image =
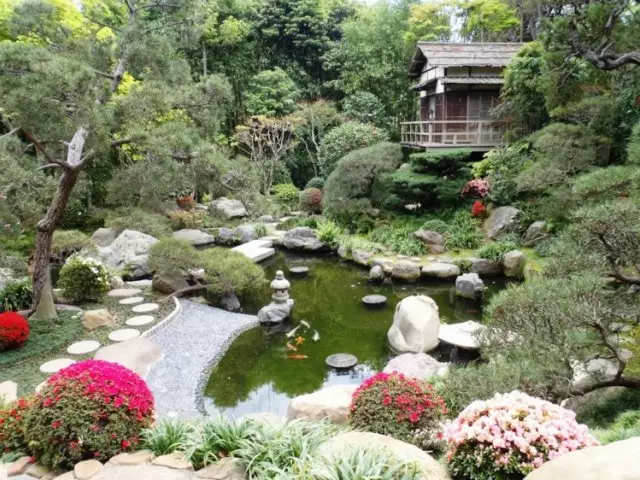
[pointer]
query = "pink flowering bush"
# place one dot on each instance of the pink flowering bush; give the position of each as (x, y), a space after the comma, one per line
(91, 409)
(406, 408)
(476, 188)
(510, 435)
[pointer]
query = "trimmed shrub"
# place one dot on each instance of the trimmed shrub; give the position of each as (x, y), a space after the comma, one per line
(346, 138)
(315, 182)
(67, 242)
(496, 250)
(228, 272)
(405, 408)
(476, 188)
(12, 418)
(285, 192)
(510, 435)
(446, 162)
(14, 331)
(171, 256)
(608, 183)
(141, 221)
(16, 295)
(83, 279)
(91, 409)
(183, 219)
(311, 200)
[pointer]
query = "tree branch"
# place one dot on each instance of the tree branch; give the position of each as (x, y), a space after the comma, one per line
(39, 146)
(13, 131)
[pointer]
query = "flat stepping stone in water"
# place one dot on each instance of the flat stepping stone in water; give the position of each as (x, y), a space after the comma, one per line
(341, 360)
(131, 300)
(124, 292)
(145, 307)
(463, 335)
(140, 320)
(374, 300)
(52, 366)
(80, 348)
(299, 271)
(124, 334)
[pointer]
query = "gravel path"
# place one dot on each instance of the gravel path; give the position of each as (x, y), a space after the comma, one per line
(193, 342)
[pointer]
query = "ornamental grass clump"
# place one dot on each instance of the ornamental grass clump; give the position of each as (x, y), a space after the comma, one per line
(14, 331)
(510, 435)
(90, 410)
(406, 408)
(83, 279)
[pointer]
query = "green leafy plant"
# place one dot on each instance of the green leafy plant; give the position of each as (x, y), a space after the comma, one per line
(364, 107)
(261, 230)
(496, 250)
(67, 242)
(285, 192)
(16, 295)
(400, 239)
(362, 463)
(464, 265)
(271, 93)
(315, 182)
(157, 226)
(436, 225)
(329, 232)
(626, 425)
(294, 222)
(12, 416)
(83, 279)
(168, 436)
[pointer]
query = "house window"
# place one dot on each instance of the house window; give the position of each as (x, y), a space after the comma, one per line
(481, 104)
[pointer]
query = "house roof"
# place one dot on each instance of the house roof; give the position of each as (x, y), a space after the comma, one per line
(461, 81)
(491, 54)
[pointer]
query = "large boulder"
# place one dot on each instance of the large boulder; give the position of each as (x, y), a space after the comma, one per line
(428, 466)
(227, 208)
(92, 319)
(484, 267)
(462, 335)
(513, 264)
(302, 238)
(331, 403)
(469, 285)
(386, 264)
(196, 238)
(168, 283)
(416, 365)
(416, 323)
(405, 270)
(440, 270)
(129, 252)
(616, 461)
(230, 302)
(536, 232)
(361, 257)
(246, 233)
(432, 240)
(137, 354)
(226, 236)
(103, 237)
(502, 220)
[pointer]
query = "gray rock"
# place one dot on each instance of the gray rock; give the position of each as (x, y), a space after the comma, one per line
(361, 257)
(432, 240)
(168, 283)
(376, 274)
(484, 267)
(173, 460)
(513, 264)
(142, 472)
(299, 271)
(416, 323)
(374, 300)
(230, 303)
(130, 252)
(103, 237)
(536, 232)
(331, 404)
(440, 270)
(341, 361)
(502, 220)
(266, 219)
(343, 252)
(406, 270)
(196, 238)
(463, 335)
(416, 365)
(275, 312)
(227, 208)
(137, 354)
(302, 238)
(226, 236)
(386, 264)
(469, 285)
(223, 469)
(246, 233)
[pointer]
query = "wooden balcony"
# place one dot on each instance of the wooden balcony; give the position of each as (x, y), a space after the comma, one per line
(478, 135)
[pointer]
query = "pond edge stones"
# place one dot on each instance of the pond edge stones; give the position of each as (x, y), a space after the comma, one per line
(341, 361)
(374, 301)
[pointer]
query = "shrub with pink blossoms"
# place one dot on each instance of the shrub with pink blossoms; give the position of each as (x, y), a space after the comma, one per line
(91, 409)
(510, 435)
(476, 188)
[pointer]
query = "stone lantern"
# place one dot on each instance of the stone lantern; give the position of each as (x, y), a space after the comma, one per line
(280, 287)
(280, 308)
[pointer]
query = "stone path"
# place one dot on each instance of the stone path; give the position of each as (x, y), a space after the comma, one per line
(83, 347)
(145, 307)
(124, 334)
(256, 250)
(191, 344)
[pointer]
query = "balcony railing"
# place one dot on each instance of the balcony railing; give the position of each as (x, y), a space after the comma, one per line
(475, 134)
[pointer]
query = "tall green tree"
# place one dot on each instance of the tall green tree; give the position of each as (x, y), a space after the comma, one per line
(429, 22)
(488, 21)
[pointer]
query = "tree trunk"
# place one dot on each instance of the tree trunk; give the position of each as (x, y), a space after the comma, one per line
(43, 307)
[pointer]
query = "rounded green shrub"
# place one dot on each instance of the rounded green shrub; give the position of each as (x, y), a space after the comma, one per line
(171, 256)
(83, 279)
(67, 242)
(315, 182)
(153, 224)
(16, 295)
(285, 192)
(311, 200)
(228, 272)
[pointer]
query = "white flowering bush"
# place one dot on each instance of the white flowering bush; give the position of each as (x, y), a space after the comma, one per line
(82, 279)
(510, 435)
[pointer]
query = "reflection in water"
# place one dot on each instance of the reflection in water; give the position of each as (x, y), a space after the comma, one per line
(256, 374)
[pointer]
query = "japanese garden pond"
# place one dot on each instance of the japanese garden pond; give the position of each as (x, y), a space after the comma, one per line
(260, 373)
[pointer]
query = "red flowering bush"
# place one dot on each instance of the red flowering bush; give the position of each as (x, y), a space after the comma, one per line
(476, 188)
(311, 200)
(91, 409)
(478, 209)
(186, 202)
(391, 404)
(14, 330)
(12, 426)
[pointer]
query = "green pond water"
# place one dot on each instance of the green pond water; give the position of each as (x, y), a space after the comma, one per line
(257, 374)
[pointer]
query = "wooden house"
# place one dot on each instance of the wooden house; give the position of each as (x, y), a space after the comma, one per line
(459, 84)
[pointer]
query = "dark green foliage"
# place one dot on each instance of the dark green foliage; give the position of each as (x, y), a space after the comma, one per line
(364, 107)
(446, 162)
(83, 279)
(350, 189)
(315, 182)
(230, 272)
(496, 250)
(608, 183)
(153, 224)
(172, 257)
(67, 242)
(596, 113)
(502, 166)
(633, 147)
(311, 222)
(271, 93)
(16, 295)
(602, 410)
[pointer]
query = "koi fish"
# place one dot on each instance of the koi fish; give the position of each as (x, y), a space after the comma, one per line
(316, 336)
(305, 323)
(291, 347)
(299, 340)
(296, 357)
(291, 333)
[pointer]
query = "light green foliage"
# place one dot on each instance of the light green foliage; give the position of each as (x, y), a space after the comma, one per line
(329, 232)
(364, 107)
(633, 147)
(16, 295)
(230, 272)
(608, 183)
(83, 279)
(428, 22)
(170, 256)
(502, 166)
(362, 463)
(495, 251)
(168, 436)
(464, 232)
(400, 239)
(182, 219)
(261, 229)
(487, 20)
(435, 225)
(350, 188)
(627, 425)
(346, 138)
(285, 192)
(153, 224)
(595, 113)
(315, 182)
(67, 242)
(311, 222)
(271, 93)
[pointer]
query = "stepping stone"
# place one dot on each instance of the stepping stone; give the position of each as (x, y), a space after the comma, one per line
(124, 292)
(341, 360)
(140, 320)
(374, 300)
(299, 271)
(131, 300)
(139, 284)
(256, 250)
(124, 334)
(463, 335)
(52, 366)
(80, 348)
(145, 307)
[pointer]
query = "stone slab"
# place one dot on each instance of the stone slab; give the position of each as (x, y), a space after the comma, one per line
(255, 251)
(341, 360)
(131, 300)
(124, 334)
(124, 292)
(85, 346)
(140, 320)
(52, 366)
(145, 307)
